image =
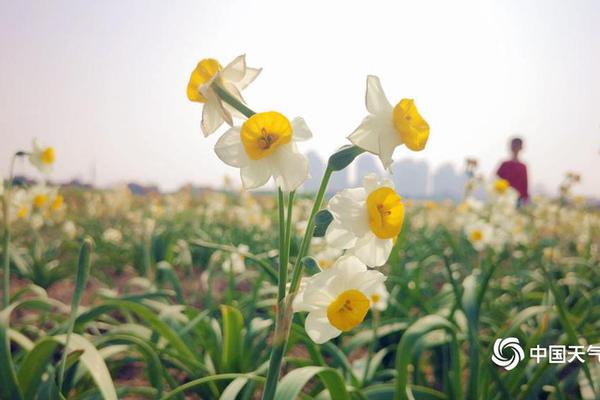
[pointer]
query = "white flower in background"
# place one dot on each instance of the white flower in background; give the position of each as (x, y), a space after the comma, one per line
(42, 157)
(235, 261)
(36, 221)
(20, 204)
(42, 197)
(264, 147)
(233, 78)
(69, 229)
(367, 220)
(112, 235)
(324, 254)
(503, 195)
(379, 298)
(480, 234)
(337, 299)
(387, 127)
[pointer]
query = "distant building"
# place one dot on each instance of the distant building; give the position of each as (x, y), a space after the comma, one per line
(410, 178)
(139, 189)
(447, 183)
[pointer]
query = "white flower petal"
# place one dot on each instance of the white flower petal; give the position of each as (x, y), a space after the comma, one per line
(370, 282)
(255, 174)
(366, 136)
(375, 97)
(212, 117)
(251, 74)
(235, 70)
(230, 149)
(339, 237)
(289, 167)
(318, 327)
(348, 207)
(389, 139)
(373, 251)
(300, 129)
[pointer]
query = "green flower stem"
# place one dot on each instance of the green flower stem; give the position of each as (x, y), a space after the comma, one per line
(374, 326)
(310, 228)
(83, 271)
(285, 228)
(281, 219)
(231, 100)
(6, 242)
(284, 306)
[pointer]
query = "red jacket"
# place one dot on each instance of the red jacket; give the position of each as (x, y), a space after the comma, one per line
(515, 172)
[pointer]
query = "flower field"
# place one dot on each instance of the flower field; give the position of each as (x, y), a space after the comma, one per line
(356, 294)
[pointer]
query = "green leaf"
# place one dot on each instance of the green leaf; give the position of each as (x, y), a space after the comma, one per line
(209, 379)
(407, 345)
(291, 385)
(322, 221)
(311, 265)
(233, 324)
(343, 157)
(149, 317)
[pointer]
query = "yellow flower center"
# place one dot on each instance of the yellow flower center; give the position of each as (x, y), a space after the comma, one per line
(375, 298)
(412, 128)
(386, 213)
(501, 185)
(47, 156)
(476, 235)
(204, 72)
(58, 202)
(263, 133)
(39, 200)
(22, 213)
(348, 310)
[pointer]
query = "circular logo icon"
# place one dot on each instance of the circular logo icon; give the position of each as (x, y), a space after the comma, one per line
(507, 345)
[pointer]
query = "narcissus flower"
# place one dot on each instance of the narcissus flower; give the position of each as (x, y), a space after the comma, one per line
(42, 157)
(367, 220)
(337, 299)
(387, 127)
(41, 196)
(264, 147)
(480, 234)
(233, 78)
(379, 298)
(502, 194)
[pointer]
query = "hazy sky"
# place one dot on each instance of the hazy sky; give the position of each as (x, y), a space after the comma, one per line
(104, 81)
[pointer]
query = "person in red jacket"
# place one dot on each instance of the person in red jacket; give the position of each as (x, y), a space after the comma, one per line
(515, 172)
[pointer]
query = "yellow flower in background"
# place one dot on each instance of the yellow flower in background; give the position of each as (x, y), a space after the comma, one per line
(501, 186)
(366, 220)
(39, 201)
(387, 127)
(480, 234)
(337, 299)
(264, 147)
(57, 203)
(233, 78)
(23, 212)
(42, 157)
(40, 196)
